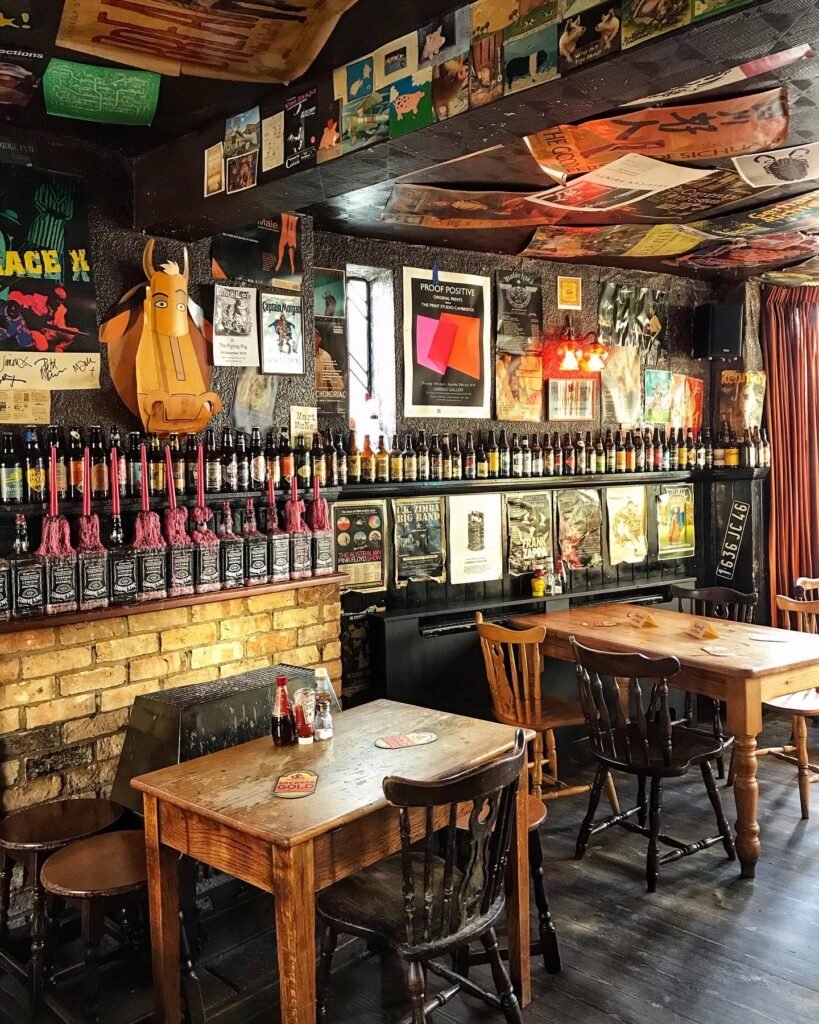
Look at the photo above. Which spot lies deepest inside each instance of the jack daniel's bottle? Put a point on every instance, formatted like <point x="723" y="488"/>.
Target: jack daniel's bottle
<point x="28" y="583"/>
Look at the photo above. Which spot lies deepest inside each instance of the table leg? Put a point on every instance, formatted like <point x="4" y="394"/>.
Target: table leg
<point x="517" y="904"/>
<point x="163" y="902"/>
<point x="294" y="874"/>
<point x="745" y="722"/>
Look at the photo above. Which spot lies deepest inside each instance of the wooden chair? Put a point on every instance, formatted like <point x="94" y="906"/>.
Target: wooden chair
<point x="628" y="737"/>
<point x="806" y="588"/>
<point x="713" y="603"/>
<point x="802" y="615"/>
<point x="513" y="668"/>
<point x="423" y="906"/>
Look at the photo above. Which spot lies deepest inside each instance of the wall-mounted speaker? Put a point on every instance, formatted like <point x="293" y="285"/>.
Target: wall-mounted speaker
<point x="719" y="328"/>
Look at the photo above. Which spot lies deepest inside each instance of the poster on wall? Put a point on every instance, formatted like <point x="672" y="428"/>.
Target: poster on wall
<point x="686" y="401"/>
<point x="658" y="396"/>
<point x="330" y="337"/>
<point x="358" y="528"/>
<point x="529" y="526"/>
<point x="235" y="331"/>
<point x="626" y="508"/>
<point x="281" y="333"/>
<point x="419" y="551"/>
<point x="48" y="323"/>
<point x="519" y="311"/>
<point x="741" y="397"/>
<point x="267" y="252"/>
<point x="446" y="345"/>
<point x="621" y="394"/>
<point x="675" y="521"/>
<point x="519" y="387"/>
<point x="25" y="407"/>
<point x="475" y="524"/>
<point x="580" y="520"/>
<point x="254" y="400"/>
<point x="329" y="292"/>
<point x="631" y="315"/>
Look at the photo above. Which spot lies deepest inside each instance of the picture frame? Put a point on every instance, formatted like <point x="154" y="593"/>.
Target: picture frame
<point x="281" y="333"/>
<point x="571" y="399"/>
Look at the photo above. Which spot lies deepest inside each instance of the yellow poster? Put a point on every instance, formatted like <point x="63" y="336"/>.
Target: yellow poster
<point x="569" y="293"/>
<point x="25" y="407"/>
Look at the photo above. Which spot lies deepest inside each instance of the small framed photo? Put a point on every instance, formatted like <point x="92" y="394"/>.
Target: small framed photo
<point x="570" y="293"/>
<point x="281" y="332"/>
<point x="571" y="399"/>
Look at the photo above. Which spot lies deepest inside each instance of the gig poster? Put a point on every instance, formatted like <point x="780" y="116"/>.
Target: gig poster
<point x="235" y="328"/>
<point x="675" y="521"/>
<point x="48" y="324"/>
<point x="626" y="509"/>
<point x="529" y="525"/>
<point x="475" y="524"/>
<point x="580" y="521"/>
<point x="358" y="529"/>
<point x="301" y="128"/>
<point x="281" y="333"/>
<point x="267" y="252"/>
<point x="330" y="337"/>
<point x="741" y="398"/>
<point x="420" y="550"/>
<point x="620" y="391"/>
<point x="519" y="306"/>
<point x="446" y="344"/>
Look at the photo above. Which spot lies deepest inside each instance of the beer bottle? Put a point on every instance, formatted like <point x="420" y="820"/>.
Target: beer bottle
<point x="76" y="465"/>
<point x="699" y="452"/>
<point x="629" y="447"/>
<point x="537" y="457"/>
<point x="397" y="461"/>
<point x="422" y="456"/>
<point x="619" y="453"/>
<point x="457" y="458"/>
<point x="301" y="464"/>
<point x="579" y="455"/>
<point x="569" y="456"/>
<point x="765" y="449"/>
<point x="283" y="724"/>
<point x="493" y="457"/>
<point x="242" y="462"/>
<point x="517" y="458"/>
<point x="53" y="440"/>
<point x="600" y="453"/>
<point x="382" y="462"/>
<point x="481" y="462"/>
<point x="504" y="457"/>
<point x="640" y="454"/>
<point x="341" y="461"/>
<point x="690" y="449"/>
<point x="330" y="461"/>
<point x="588" y="446"/>
<point x="747" y="453"/>
<point x="286" y="462"/>
<point x="353" y="456"/>
<point x="11" y="473"/>
<point x="666" y="458"/>
<point x="156" y="466"/>
<point x="732" y="451"/>
<point x="611" y="453"/>
<point x="230" y="464"/>
<point x="134" y="465"/>
<point x="673" y="452"/>
<point x="213" y="463"/>
<point x="446" y="458"/>
<point x="548" y="456"/>
<point x="368" y="462"/>
<point x="410" y="459"/>
<point x="99" y="465"/>
<point x="34" y="467"/>
<point x="756" y="440"/>
<point x="654" y="450"/>
<point x="558" y="454"/>
<point x="258" y="461"/>
<point x="470" y="468"/>
<point x="525" y="457"/>
<point x="191" y="465"/>
<point x="177" y="463"/>
<point x="318" y="465"/>
<point x="436" y="457"/>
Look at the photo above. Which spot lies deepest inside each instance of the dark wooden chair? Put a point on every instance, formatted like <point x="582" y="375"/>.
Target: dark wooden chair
<point x="29" y="837"/>
<point x="627" y="736"/>
<point x="103" y="874"/>
<point x="422" y="905"/>
<point x="713" y="603"/>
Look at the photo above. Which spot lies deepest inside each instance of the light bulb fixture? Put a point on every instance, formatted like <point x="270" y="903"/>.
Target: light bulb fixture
<point x="563" y="352"/>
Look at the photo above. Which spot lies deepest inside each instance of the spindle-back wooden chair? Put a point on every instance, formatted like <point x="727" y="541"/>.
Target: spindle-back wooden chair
<point x="629" y="735"/>
<point x="806" y="588"/>
<point x="423" y="905"/>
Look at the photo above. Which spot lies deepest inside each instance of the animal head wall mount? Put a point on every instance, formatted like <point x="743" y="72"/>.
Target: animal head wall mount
<point x="158" y="351"/>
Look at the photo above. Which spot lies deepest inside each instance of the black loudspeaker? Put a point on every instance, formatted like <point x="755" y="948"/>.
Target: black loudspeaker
<point x="718" y="330"/>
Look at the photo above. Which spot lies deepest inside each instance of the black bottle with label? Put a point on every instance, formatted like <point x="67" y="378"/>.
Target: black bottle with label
<point x="11" y="473"/>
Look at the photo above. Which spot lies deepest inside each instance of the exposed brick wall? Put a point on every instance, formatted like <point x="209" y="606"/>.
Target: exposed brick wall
<point x="66" y="691"/>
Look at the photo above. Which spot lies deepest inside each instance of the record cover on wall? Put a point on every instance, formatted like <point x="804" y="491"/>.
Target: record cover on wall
<point x="268" y="252"/>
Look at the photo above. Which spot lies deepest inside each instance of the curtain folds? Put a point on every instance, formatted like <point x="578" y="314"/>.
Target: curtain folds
<point x="790" y="349"/>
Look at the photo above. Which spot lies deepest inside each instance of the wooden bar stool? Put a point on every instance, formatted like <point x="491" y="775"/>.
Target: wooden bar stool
<point x="29" y="837"/>
<point x="102" y="874"/>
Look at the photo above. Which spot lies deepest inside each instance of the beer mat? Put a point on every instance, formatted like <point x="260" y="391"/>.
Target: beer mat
<point x="598" y="622"/>
<point x="717" y="651"/>
<point x="773" y="639"/>
<point x="295" y="785"/>
<point x="410" y="739"/>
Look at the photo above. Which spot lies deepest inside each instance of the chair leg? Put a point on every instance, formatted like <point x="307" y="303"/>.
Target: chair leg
<point x="551" y="753"/>
<point x="546" y="928"/>
<point x="642" y="803"/>
<point x="719" y="813"/>
<point x="688" y="709"/>
<point x="732" y="771"/>
<point x="38" y="936"/>
<point x="416" y="983"/>
<point x="588" y="822"/>
<point x="6" y="865"/>
<point x="92" y="931"/>
<point x="537" y="766"/>
<point x="329" y="938"/>
<point x="800" y="731"/>
<point x="611" y="793"/>
<point x="655" y="806"/>
<point x="503" y="986"/>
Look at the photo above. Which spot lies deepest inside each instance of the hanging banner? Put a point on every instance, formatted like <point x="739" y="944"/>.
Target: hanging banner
<point x="253" y="42"/>
<point x="475" y="537"/>
<point x="634" y="316"/>
<point x="235" y="331"/>
<point x="580" y="521"/>
<point x="741" y="398"/>
<point x="358" y="527"/>
<point x="419" y="550"/>
<point x="801" y="213"/>
<point x="626" y="511"/>
<point x="281" y="333"/>
<point x="267" y="252"/>
<point x="330" y="336"/>
<point x="529" y="525"/>
<point x="519" y="309"/>
<point x="48" y="323"/>
<point x="453" y="208"/>
<point x="753" y="253"/>
<point x="626" y="240"/>
<point x="620" y="391"/>
<point x="675" y="521"/>
<point x="702" y="131"/>
<point x="446" y="344"/>
<point x="106" y="95"/>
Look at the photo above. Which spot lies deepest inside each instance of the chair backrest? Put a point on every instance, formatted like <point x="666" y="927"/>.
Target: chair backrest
<point x="441" y="898"/>
<point x="799" y="615"/>
<point x="512" y="658"/>
<point x="806" y="588"/>
<point x="621" y="725"/>
<point x="716" y="603"/>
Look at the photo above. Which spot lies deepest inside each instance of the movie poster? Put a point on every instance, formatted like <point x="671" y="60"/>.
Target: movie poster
<point x="48" y="323"/>
<point x="675" y="521"/>
<point x="358" y="528"/>
<point x="281" y="333"/>
<point x="420" y="551"/>
<point x="235" y="331"/>
<point x="580" y="520"/>
<point x="330" y="337"/>
<point x="519" y="306"/>
<point x="620" y="390"/>
<point x="529" y="525"/>
<point x="626" y="509"/>
<point x="267" y="252"/>
<point x="301" y="127"/>
<point x="446" y="345"/>
<point x="741" y="398"/>
<point x="475" y="523"/>
<point x="636" y="316"/>
<point x="519" y="387"/>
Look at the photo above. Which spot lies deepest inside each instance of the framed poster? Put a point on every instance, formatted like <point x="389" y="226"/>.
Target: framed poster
<point x="446" y="345"/>
<point x="419" y="545"/>
<point x="675" y="521"/>
<point x="529" y="525"/>
<point x="358" y="531"/>
<point x="571" y="399"/>
<point x="281" y="331"/>
<point x="475" y="537"/>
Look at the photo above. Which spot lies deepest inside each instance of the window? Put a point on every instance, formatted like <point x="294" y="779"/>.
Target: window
<point x="371" y="350"/>
<point x="359" y="346"/>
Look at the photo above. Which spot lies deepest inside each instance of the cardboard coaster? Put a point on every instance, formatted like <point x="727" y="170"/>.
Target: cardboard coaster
<point x="295" y="785"/>
<point x="410" y="739"/>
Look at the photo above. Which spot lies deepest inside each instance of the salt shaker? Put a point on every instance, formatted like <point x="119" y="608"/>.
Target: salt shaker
<point x="323" y="721"/>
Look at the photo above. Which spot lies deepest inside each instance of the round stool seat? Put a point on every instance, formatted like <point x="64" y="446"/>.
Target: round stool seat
<point x="108" y="865"/>
<point x="49" y="826"/>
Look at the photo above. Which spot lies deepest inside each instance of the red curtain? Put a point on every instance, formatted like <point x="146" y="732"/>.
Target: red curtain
<point x="790" y="349"/>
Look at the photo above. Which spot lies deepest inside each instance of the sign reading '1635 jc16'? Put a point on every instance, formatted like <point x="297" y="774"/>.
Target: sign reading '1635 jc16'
<point x="732" y="541"/>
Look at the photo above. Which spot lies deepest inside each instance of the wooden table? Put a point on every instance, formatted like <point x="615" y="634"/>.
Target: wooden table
<point x="220" y="810"/>
<point x="756" y="670"/>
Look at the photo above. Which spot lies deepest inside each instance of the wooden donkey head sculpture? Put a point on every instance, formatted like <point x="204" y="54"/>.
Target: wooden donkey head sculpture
<point x="157" y="354"/>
